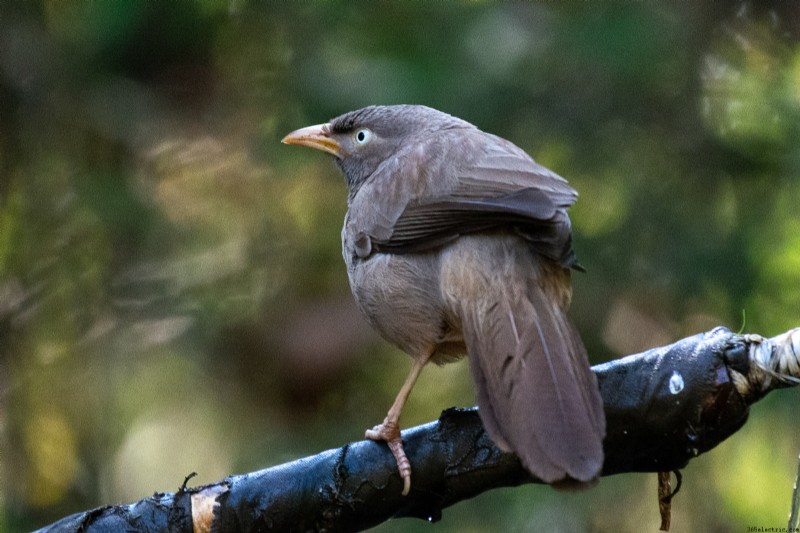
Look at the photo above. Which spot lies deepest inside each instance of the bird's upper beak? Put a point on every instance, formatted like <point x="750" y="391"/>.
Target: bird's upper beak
<point x="315" y="137"/>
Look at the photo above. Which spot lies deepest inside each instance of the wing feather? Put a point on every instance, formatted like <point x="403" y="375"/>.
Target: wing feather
<point x="496" y="186"/>
<point x="458" y="182"/>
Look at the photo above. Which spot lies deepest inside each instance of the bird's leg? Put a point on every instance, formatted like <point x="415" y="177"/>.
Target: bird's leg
<point x="389" y="430"/>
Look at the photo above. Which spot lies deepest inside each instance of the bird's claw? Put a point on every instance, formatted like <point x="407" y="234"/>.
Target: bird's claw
<point x="389" y="431"/>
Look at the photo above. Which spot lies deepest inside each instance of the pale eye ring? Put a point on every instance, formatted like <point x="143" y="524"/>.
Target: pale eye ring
<point x="363" y="136"/>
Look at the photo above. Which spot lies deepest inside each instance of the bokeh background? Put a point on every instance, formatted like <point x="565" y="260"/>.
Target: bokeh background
<point x="172" y="294"/>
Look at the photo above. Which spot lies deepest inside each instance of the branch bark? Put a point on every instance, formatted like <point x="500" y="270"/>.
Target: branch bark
<point x="663" y="408"/>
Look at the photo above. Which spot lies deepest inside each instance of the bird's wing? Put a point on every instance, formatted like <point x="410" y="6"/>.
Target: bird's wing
<point x="536" y="394"/>
<point x="487" y="184"/>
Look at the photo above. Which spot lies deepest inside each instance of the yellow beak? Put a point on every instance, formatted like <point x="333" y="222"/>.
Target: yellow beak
<point x="315" y="137"/>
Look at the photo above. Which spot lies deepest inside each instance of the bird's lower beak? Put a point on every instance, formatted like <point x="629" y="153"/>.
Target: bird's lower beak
<point x="315" y="137"/>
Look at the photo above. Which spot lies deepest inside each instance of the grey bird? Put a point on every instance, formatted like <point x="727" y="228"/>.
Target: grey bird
<point x="457" y="242"/>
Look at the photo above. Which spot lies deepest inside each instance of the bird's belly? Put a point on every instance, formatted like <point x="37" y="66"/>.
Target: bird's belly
<point x="400" y="297"/>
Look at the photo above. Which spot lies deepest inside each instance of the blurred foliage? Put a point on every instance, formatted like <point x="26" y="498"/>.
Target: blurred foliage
<point x="172" y="296"/>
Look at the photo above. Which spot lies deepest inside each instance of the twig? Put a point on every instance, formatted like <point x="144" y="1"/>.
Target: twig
<point x="663" y="408"/>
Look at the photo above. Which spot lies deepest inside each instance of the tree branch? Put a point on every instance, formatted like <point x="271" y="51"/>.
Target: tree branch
<point x="663" y="407"/>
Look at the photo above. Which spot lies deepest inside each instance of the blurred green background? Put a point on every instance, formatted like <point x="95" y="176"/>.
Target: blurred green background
<point x="172" y="294"/>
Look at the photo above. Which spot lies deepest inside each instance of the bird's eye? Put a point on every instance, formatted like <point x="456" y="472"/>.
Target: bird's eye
<point x="363" y="136"/>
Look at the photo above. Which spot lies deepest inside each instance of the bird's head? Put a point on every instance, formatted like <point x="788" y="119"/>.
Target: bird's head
<point x="362" y="140"/>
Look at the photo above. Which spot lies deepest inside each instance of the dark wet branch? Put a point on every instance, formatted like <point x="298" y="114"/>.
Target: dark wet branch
<point x="663" y="407"/>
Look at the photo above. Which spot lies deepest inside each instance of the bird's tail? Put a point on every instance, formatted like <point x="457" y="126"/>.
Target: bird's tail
<point x="536" y="393"/>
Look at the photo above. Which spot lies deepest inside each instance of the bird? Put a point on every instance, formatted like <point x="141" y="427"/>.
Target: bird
<point x="457" y="243"/>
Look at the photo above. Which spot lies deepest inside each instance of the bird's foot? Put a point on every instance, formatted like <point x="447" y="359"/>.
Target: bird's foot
<point x="389" y="431"/>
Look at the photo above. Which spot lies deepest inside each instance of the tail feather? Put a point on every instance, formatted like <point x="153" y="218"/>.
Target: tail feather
<point x="536" y="393"/>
